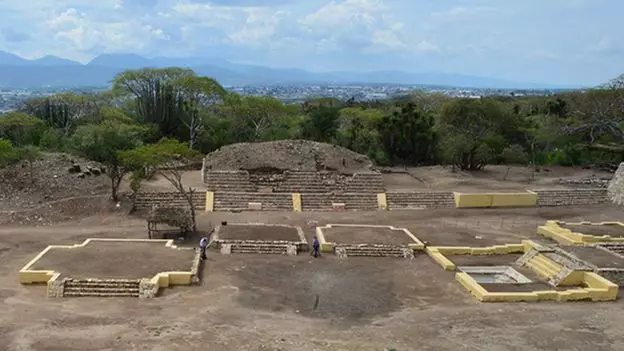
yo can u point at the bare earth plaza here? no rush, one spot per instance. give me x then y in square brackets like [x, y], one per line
[402, 266]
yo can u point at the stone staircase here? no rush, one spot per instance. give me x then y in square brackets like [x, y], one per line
[145, 200]
[323, 202]
[369, 250]
[420, 200]
[302, 182]
[101, 288]
[571, 197]
[226, 181]
[543, 267]
[238, 201]
[258, 247]
[366, 183]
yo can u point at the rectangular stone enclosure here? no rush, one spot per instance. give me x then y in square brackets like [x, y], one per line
[366, 234]
[115, 260]
[259, 232]
[259, 238]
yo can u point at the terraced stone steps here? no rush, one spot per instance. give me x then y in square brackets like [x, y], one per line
[419, 200]
[544, 267]
[323, 202]
[228, 181]
[303, 182]
[572, 197]
[145, 200]
[240, 201]
[259, 248]
[366, 183]
[373, 251]
[104, 288]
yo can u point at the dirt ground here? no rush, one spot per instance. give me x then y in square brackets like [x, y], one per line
[110, 260]
[248, 232]
[600, 258]
[255, 302]
[612, 230]
[366, 235]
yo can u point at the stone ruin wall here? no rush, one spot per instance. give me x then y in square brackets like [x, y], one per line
[615, 190]
[333, 181]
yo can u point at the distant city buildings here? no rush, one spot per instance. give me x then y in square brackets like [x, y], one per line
[10, 99]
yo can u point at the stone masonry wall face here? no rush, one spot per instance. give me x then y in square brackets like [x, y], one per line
[145, 201]
[615, 190]
[571, 197]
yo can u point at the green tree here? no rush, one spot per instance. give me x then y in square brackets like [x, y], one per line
[7, 153]
[102, 142]
[473, 131]
[155, 93]
[165, 157]
[513, 155]
[407, 135]
[20, 128]
[321, 123]
[198, 96]
[357, 130]
[63, 111]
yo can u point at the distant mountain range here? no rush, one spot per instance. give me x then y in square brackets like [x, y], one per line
[52, 71]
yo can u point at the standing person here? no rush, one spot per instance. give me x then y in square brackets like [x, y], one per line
[315, 247]
[203, 244]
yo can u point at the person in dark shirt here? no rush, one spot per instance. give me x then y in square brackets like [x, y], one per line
[315, 247]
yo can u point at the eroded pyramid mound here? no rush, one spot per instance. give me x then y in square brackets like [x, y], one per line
[283, 155]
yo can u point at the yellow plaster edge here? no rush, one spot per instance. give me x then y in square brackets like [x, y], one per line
[553, 230]
[382, 201]
[209, 201]
[602, 290]
[440, 258]
[296, 202]
[28, 276]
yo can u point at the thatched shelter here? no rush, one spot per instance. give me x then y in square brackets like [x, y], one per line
[170, 216]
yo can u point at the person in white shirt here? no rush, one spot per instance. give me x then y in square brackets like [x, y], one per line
[203, 244]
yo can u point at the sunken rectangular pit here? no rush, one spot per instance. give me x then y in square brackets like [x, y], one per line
[259, 238]
[367, 240]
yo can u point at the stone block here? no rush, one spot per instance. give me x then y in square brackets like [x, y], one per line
[226, 249]
[255, 206]
[147, 289]
[338, 206]
[291, 250]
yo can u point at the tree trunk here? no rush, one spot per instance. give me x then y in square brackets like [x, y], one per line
[506, 173]
[189, 198]
[114, 195]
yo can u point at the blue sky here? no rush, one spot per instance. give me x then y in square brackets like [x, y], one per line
[550, 41]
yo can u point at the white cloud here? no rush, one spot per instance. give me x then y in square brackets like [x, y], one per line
[425, 46]
[480, 36]
[363, 24]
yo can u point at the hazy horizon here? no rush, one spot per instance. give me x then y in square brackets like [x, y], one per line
[572, 42]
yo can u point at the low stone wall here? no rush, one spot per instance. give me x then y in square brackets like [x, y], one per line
[420, 200]
[145, 200]
[572, 197]
[240, 201]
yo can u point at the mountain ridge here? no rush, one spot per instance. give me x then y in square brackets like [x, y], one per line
[53, 71]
